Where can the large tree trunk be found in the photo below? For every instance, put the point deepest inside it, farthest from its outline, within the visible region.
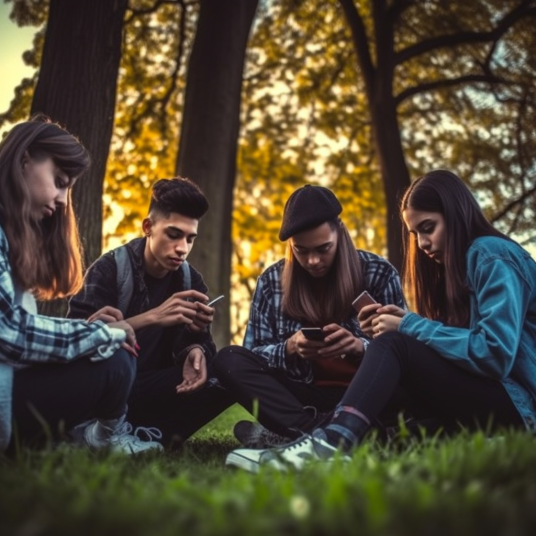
(77, 87)
(208, 142)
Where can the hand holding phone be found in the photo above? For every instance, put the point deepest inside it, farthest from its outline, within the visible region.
(363, 299)
(314, 334)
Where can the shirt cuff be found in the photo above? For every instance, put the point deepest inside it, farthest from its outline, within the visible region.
(105, 351)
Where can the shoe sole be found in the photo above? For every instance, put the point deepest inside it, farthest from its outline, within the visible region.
(237, 460)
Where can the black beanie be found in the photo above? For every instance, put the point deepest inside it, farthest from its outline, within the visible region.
(308, 207)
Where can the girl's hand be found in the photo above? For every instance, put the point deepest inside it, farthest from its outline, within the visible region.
(107, 314)
(365, 317)
(384, 323)
(339, 342)
(392, 310)
(130, 345)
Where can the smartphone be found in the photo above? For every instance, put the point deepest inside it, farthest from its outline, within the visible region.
(363, 299)
(215, 300)
(314, 334)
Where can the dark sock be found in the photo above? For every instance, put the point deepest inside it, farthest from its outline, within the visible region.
(347, 428)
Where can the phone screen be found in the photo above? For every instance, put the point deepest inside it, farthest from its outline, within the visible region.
(314, 334)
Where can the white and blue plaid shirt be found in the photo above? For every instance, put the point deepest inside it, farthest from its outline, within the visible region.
(268, 328)
(26, 337)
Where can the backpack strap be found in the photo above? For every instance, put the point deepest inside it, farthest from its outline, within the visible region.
(125, 281)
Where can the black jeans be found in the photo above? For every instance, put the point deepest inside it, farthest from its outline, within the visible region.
(52, 398)
(284, 406)
(433, 384)
(154, 402)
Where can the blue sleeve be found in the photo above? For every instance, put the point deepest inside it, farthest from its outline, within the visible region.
(500, 303)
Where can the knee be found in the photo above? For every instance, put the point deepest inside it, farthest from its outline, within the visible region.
(388, 338)
(393, 345)
(121, 368)
(228, 360)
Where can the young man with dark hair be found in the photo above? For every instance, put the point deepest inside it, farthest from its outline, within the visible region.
(150, 284)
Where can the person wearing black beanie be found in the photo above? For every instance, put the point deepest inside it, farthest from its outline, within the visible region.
(297, 381)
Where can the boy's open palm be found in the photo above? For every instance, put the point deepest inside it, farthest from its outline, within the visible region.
(194, 371)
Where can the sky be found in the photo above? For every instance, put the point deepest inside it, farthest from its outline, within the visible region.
(13, 42)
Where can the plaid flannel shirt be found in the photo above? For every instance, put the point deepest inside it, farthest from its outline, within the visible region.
(26, 337)
(268, 328)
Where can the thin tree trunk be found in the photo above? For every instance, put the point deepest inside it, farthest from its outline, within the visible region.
(77, 87)
(208, 142)
(378, 80)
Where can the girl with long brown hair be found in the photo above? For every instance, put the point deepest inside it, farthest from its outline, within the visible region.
(40, 258)
(292, 380)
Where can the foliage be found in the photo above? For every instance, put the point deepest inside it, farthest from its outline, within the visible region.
(464, 486)
(157, 40)
(463, 90)
(27, 13)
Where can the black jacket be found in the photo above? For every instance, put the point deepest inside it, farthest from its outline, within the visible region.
(100, 289)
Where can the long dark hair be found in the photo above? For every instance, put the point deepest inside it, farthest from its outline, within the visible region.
(440, 290)
(343, 282)
(45, 256)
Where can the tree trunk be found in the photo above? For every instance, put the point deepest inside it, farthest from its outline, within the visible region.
(208, 141)
(76, 87)
(378, 80)
(394, 171)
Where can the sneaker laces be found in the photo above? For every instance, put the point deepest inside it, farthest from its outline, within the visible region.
(150, 433)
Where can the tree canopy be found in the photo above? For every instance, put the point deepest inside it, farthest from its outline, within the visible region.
(361, 97)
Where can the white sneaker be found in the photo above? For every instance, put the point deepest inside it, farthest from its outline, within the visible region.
(117, 434)
(294, 455)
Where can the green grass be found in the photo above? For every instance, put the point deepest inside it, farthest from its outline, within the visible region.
(462, 486)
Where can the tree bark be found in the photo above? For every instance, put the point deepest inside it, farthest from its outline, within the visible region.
(209, 134)
(378, 80)
(77, 88)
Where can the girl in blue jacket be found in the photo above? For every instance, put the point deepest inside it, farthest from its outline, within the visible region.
(55, 374)
(467, 355)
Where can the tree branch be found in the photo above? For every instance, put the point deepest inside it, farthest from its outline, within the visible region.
(524, 9)
(360, 42)
(441, 84)
(164, 101)
(510, 206)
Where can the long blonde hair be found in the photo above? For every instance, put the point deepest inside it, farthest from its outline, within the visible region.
(343, 283)
(45, 257)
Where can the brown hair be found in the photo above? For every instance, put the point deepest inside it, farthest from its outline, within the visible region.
(344, 282)
(45, 257)
(439, 290)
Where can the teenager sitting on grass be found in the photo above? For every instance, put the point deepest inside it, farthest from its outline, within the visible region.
(54, 373)
(468, 354)
(167, 307)
(293, 379)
